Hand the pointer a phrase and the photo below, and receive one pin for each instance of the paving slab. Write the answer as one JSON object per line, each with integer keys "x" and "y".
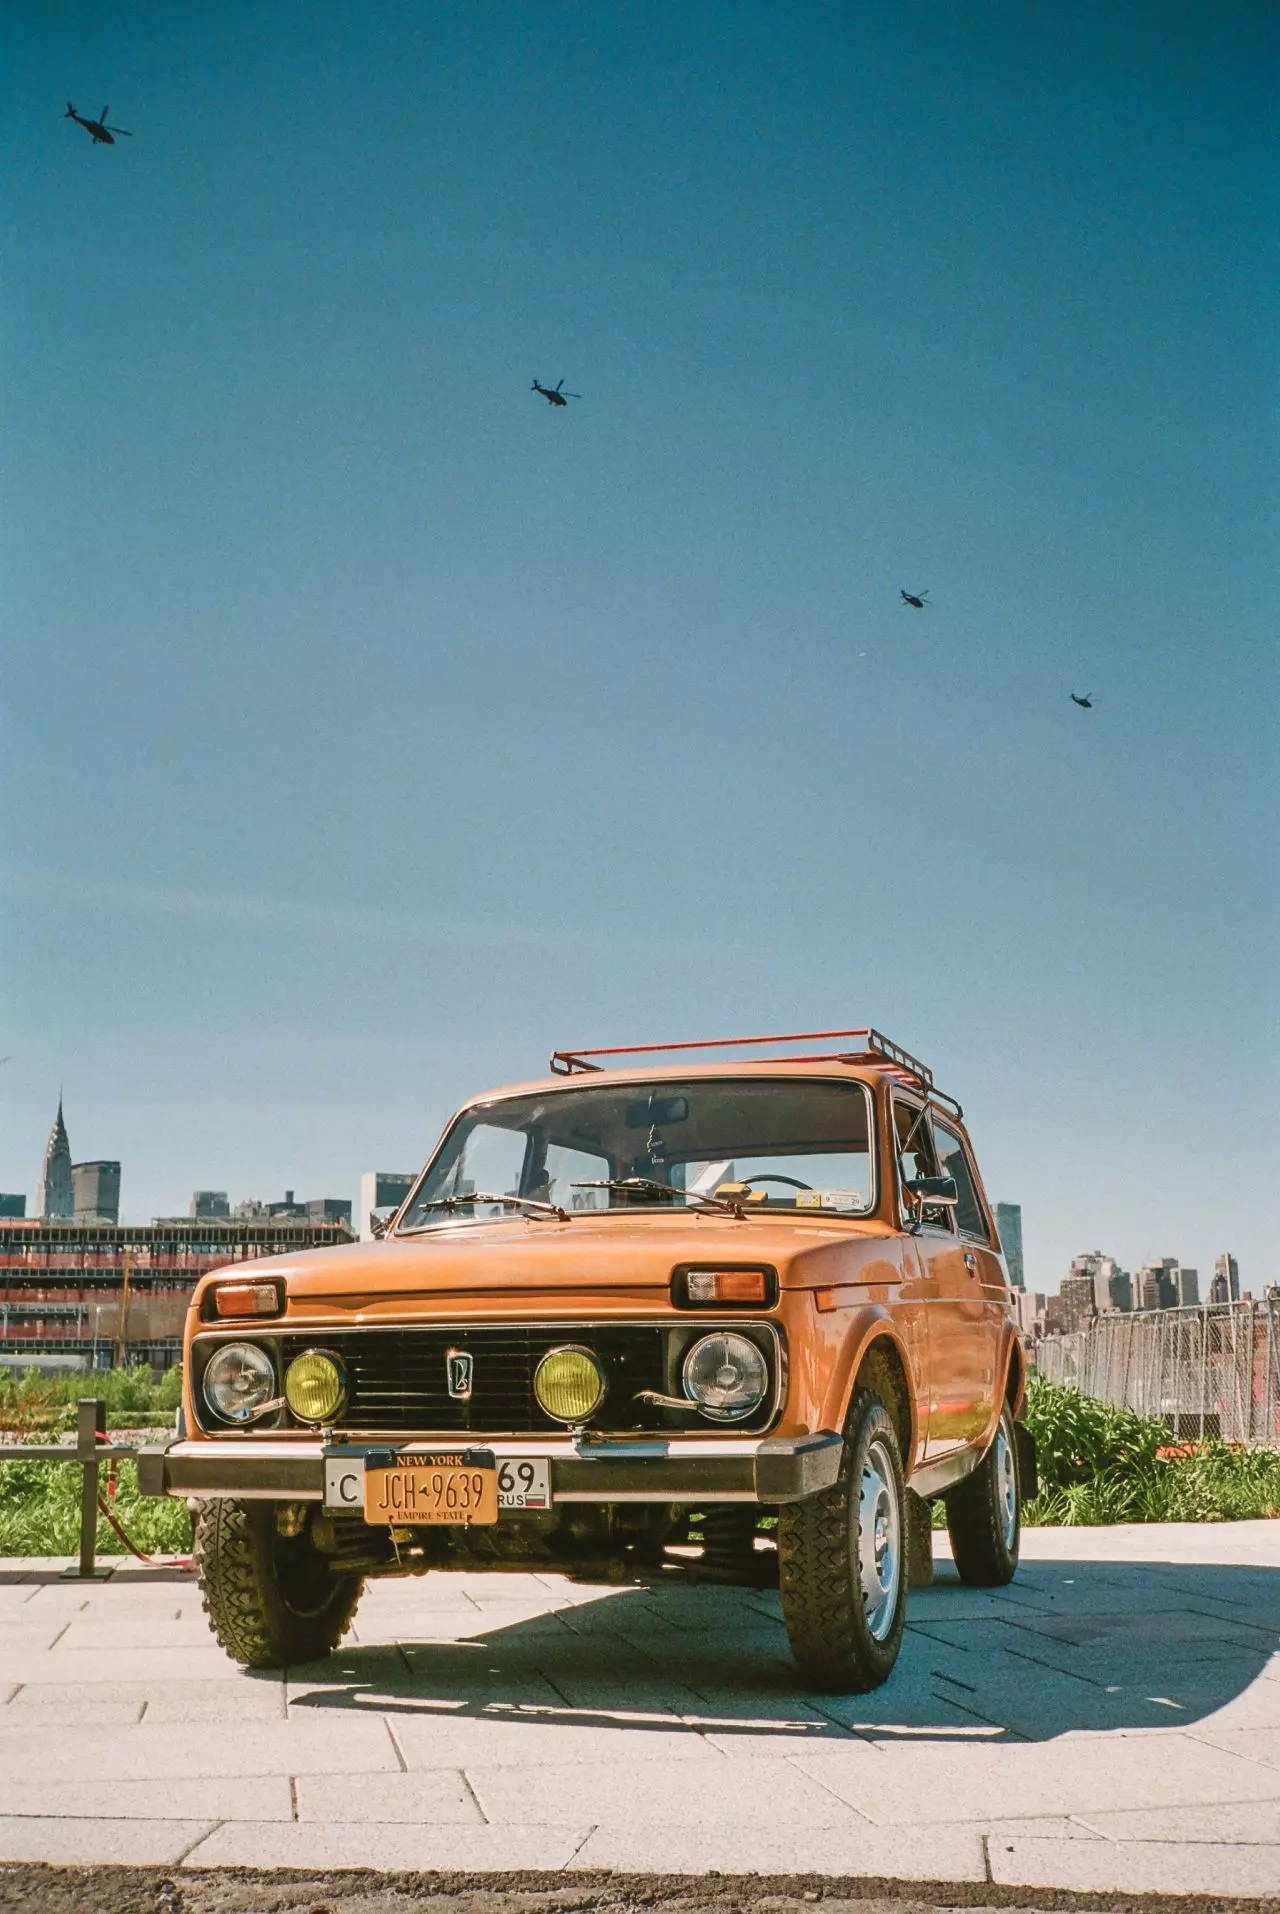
{"x": 226, "y": 1797}
{"x": 386, "y": 1844}
{"x": 1135, "y": 1867}
{"x": 98, "y": 1841}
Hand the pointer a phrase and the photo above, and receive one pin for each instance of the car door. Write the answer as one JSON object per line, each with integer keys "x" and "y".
{"x": 931, "y": 1240}
{"x": 976, "y": 1285}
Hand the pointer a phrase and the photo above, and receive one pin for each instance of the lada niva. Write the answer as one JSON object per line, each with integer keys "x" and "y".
{"x": 634, "y": 1293}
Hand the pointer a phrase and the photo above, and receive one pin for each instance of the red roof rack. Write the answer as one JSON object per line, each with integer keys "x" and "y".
{"x": 872, "y": 1047}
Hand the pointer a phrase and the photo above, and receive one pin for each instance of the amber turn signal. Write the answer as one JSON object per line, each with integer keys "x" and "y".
{"x": 693, "y": 1288}
{"x": 244, "y": 1299}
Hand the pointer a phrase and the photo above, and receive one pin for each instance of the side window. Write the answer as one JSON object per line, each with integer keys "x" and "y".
{"x": 952, "y": 1160}
{"x": 916, "y": 1157}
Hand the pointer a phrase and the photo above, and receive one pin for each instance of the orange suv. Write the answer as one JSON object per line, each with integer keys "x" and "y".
{"x": 636, "y": 1303}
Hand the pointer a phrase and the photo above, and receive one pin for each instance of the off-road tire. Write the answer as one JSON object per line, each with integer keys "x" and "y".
{"x": 985, "y": 1533}
{"x": 819, "y": 1570}
{"x": 272, "y": 1600}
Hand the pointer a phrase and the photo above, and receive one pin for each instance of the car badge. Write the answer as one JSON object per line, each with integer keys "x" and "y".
{"x": 459, "y": 1368}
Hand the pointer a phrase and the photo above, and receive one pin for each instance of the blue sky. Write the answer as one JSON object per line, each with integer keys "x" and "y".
{"x": 369, "y": 729}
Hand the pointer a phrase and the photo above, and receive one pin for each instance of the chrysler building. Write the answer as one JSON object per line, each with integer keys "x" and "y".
{"x": 54, "y": 1198}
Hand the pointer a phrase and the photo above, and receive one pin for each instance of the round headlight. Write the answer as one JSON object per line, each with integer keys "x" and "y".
{"x": 239, "y": 1381}
{"x": 315, "y": 1385}
{"x": 726, "y": 1375}
{"x": 569, "y": 1384}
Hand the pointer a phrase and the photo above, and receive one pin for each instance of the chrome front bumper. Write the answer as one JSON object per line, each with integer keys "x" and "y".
{"x": 715, "y": 1469}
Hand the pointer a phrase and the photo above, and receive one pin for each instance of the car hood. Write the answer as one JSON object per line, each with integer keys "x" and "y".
{"x": 629, "y": 1255}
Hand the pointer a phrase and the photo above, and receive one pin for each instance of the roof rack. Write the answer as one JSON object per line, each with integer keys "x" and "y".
{"x": 873, "y": 1047}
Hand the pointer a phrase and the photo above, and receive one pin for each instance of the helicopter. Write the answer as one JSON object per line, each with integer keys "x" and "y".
{"x": 99, "y": 132}
{"x": 1085, "y": 703}
{"x": 916, "y": 598}
{"x": 556, "y": 395}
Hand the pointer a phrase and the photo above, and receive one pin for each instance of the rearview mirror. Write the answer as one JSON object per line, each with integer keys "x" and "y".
{"x": 380, "y": 1219}
{"x": 653, "y": 1112}
{"x": 933, "y": 1192}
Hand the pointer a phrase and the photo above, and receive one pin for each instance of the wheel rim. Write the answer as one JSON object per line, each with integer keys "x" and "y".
{"x": 879, "y": 1540}
{"x": 1006, "y": 1488}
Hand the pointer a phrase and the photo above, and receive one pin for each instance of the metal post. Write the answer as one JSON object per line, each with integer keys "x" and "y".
{"x": 91, "y": 1427}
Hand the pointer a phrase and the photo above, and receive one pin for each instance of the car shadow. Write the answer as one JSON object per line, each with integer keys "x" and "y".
{"x": 1070, "y": 1647}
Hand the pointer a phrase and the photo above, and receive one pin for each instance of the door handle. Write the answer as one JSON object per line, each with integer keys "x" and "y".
{"x": 971, "y": 1261}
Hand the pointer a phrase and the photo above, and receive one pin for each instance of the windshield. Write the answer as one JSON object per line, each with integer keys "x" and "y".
{"x": 757, "y": 1145}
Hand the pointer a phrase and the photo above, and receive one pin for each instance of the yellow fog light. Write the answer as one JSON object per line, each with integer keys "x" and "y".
{"x": 315, "y": 1386}
{"x": 569, "y": 1384}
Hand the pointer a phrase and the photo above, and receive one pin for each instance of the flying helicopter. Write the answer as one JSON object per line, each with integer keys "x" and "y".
{"x": 99, "y": 132}
{"x": 555, "y": 395}
{"x": 916, "y": 598}
{"x": 1085, "y": 703}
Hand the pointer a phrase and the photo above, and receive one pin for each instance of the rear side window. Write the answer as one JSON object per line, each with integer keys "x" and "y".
{"x": 952, "y": 1161}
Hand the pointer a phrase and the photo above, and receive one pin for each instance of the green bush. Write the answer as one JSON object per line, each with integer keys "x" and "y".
{"x": 31, "y": 1403}
{"x": 1098, "y": 1465}
{"x": 1078, "y": 1439}
{"x": 40, "y": 1512}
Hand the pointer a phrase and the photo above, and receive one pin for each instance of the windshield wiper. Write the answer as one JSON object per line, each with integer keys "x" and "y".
{"x": 528, "y": 1203}
{"x": 649, "y": 1186}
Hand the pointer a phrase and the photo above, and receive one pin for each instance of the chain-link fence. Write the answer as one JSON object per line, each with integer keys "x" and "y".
{"x": 1212, "y": 1371}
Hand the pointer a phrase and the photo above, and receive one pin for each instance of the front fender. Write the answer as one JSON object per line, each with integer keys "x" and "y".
{"x": 865, "y": 1324}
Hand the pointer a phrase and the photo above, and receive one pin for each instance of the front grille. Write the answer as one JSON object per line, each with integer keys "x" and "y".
{"x": 397, "y": 1379}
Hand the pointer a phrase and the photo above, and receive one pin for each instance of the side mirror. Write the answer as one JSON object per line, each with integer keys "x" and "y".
{"x": 380, "y": 1219}
{"x": 932, "y": 1192}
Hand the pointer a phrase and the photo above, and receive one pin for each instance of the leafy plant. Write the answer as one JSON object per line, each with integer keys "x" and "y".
{"x": 1079, "y": 1439}
{"x": 40, "y": 1512}
{"x": 1100, "y": 1465}
{"x": 31, "y": 1403}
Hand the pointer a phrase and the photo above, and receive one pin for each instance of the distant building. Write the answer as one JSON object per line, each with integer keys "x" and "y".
{"x": 62, "y": 1301}
{"x": 210, "y": 1206}
{"x": 381, "y": 1189}
{"x": 55, "y": 1198}
{"x": 329, "y": 1209}
{"x": 1187, "y": 1283}
{"x": 1009, "y": 1230}
{"x": 13, "y": 1205}
{"x": 319, "y": 1209}
{"x": 1112, "y": 1286}
{"x": 96, "y": 1192}
{"x": 1225, "y": 1287}
{"x": 1029, "y": 1309}
{"x": 1075, "y": 1298}
{"x": 1156, "y": 1284}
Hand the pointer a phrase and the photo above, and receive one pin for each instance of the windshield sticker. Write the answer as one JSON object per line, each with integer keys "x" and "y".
{"x": 829, "y": 1199}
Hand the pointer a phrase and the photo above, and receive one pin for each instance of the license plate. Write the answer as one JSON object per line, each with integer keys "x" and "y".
{"x": 438, "y": 1488}
{"x": 523, "y": 1482}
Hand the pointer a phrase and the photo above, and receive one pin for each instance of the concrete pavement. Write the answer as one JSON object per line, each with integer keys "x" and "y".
{"x": 1110, "y": 1723}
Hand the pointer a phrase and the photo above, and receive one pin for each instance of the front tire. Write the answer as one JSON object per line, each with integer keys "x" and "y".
{"x": 271, "y": 1598}
{"x": 842, "y": 1560}
{"x": 984, "y": 1513}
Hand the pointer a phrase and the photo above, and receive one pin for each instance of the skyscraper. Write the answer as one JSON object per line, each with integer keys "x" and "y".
{"x": 1009, "y": 1228}
{"x": 1155, "y": 1285}
{"x": 55, "y": 1197}
{"x": 1226, "y": 1279}
{"x": 96, "y": 1192}
{"x": 378, "y": 1190}
{"x": 210, "y": 1206}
